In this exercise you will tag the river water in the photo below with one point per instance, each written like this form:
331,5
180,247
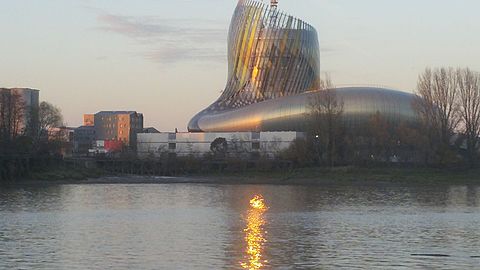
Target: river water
189,226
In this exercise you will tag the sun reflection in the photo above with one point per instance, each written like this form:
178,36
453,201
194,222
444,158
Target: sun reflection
255,234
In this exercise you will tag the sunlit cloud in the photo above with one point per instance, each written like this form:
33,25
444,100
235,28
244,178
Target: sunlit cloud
176,54
134,27
170,41
173,40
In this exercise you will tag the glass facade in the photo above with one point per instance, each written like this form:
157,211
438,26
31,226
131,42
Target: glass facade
273,72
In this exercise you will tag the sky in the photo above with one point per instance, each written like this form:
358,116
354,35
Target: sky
167,58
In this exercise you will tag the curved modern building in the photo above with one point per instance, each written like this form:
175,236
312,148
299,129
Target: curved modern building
274,73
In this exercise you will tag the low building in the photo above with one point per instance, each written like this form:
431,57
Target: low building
64,139
236,144
83,139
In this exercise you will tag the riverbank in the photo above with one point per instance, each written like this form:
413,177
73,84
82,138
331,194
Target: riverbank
63,175
305,176
354,175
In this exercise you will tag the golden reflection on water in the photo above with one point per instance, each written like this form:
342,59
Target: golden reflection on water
255,234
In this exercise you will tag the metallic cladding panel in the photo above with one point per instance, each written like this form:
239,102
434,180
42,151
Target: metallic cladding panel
270,55
289,113
273,71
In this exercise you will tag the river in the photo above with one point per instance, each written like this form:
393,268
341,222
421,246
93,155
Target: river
210,226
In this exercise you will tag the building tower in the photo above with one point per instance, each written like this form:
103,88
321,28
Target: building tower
270,54
274,74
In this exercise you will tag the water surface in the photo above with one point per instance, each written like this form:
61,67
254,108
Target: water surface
188,226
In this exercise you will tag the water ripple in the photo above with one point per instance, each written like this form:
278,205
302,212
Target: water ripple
203,227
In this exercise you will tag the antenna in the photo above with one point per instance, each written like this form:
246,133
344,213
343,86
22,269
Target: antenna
273,9
273,4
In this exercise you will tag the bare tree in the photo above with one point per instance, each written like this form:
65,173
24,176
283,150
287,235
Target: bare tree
411,142
437,108
469,103
12,111
325,111
50,116
381,139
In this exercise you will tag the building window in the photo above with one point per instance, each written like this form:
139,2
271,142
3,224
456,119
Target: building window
172,136
172,146
255,145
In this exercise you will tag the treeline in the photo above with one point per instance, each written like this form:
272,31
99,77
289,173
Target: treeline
446,131
17,124
24,129
24,132
449,110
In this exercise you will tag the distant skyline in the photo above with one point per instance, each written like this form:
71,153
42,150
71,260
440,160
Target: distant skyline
167,59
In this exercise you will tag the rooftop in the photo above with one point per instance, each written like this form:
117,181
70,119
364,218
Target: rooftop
117,112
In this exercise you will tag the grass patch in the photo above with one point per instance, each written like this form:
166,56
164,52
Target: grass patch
386,174
352,175
66,174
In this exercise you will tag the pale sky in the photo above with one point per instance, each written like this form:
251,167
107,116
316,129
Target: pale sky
167,59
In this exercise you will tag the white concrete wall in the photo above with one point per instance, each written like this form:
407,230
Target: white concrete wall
151,144
273,142
198,144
